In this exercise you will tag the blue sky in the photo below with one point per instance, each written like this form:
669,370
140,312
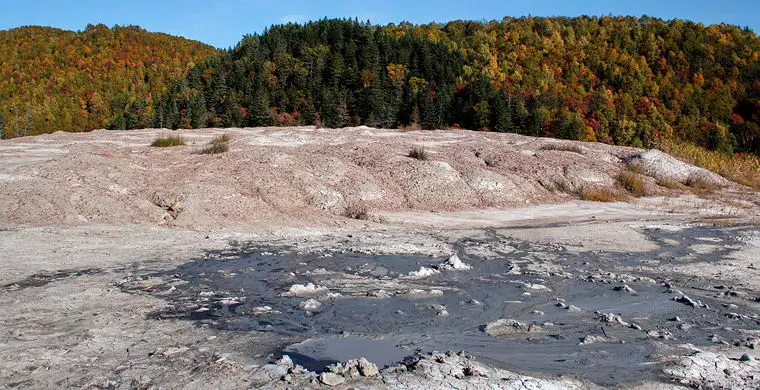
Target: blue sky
223,22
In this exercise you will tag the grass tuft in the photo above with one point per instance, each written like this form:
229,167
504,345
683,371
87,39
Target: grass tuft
700,186
601,195
166,142
419,153
632,182
563,147
669,184
219,144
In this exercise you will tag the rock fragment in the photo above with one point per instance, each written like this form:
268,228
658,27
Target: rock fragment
454,263
507,327
310,305
331,379
301,290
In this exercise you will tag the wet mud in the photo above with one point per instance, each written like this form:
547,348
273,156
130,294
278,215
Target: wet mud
563,312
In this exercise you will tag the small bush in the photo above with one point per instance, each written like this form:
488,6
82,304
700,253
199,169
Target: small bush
219,144
165,142
633,183
418,153
600,195
356,210
563,147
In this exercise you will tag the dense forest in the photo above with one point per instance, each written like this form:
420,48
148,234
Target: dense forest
53,79
624,80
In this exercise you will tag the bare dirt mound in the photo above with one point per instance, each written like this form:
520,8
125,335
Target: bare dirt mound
296,174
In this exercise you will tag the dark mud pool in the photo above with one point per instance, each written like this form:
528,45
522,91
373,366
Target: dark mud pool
363,305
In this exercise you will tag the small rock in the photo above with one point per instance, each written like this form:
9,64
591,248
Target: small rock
747,358
574,309
423,272
300,290
367,368
688,301
454,263
285,361
505,327
378,294
262,310
625,288
612,319
310,305
331,379
598,339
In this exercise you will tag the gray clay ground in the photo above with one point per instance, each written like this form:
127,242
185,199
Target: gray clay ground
258,281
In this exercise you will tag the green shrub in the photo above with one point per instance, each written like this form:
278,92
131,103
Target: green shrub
166,142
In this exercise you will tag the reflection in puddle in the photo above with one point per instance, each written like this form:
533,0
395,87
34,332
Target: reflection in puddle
315,355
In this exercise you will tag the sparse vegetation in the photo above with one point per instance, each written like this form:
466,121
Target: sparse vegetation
563,147
741,168
166,142
600,195
419,153
669,184
701,186
356,210
633,182
219,144
636,168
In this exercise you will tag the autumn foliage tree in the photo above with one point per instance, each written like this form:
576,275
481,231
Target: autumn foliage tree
53,79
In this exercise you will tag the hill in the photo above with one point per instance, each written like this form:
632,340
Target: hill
623,80
52,79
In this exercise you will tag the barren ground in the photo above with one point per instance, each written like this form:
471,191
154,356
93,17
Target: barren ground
91,223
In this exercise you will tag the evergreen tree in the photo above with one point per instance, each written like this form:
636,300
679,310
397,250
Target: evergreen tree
3,133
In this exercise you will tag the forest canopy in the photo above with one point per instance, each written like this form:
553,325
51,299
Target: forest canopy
53,79
623,80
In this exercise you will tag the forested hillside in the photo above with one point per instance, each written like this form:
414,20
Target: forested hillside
619,80
624,80
53,79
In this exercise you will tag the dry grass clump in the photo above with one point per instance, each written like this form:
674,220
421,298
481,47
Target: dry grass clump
356,210
633,182
741,168
636,168
669,184
166,142
700,186
563,147
219,144
600,195
419,153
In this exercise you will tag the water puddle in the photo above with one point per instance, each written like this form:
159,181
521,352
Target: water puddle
315,355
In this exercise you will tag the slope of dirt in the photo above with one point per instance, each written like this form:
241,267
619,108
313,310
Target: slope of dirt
276,176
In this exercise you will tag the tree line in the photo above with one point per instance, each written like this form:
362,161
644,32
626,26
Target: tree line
622,80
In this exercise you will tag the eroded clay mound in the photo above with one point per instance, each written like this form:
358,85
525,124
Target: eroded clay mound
290,174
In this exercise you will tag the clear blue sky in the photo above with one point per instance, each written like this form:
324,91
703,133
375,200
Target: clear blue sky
223,22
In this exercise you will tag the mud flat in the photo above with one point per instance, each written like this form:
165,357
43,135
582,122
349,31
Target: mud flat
253,285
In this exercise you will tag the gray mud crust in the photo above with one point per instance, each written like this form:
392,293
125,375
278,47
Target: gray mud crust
572,318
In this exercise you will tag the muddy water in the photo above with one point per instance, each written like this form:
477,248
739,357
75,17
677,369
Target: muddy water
222,290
